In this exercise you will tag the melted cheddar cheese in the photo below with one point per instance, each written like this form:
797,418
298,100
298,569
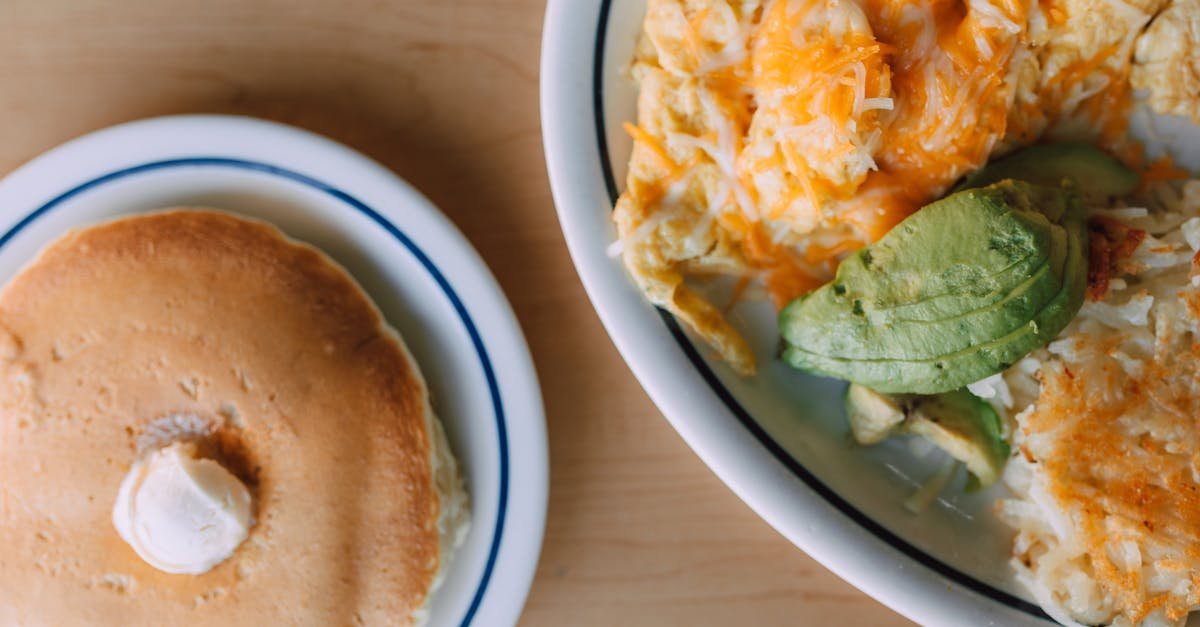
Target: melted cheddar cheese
774,137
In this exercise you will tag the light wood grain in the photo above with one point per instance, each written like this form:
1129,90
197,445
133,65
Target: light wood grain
445,93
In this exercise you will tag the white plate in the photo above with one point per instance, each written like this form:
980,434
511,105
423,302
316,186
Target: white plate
426,278
779,440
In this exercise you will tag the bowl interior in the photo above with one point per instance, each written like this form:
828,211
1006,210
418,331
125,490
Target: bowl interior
803,415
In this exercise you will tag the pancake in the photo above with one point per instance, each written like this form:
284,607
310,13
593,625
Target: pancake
119,337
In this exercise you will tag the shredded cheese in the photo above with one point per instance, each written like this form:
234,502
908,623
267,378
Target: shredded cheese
820,124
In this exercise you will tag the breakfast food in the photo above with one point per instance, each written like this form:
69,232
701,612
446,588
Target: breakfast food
1103,418
203,422
1105,482
773,137
1166,63
956,293
1030,311
180,512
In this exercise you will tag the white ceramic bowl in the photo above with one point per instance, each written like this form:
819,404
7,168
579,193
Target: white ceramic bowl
779,440
425,277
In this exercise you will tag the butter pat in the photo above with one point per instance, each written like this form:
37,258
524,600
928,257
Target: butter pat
181,513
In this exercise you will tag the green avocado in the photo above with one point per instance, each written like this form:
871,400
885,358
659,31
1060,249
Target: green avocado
955,293
1098,175
1003,264
957,422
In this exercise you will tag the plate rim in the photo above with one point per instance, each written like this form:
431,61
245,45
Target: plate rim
521,389
919,593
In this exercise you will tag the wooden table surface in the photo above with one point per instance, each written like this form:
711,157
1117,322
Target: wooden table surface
446,94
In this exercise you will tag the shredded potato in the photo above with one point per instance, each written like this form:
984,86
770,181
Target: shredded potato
1106,485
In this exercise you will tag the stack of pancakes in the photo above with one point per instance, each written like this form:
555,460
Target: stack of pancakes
300,388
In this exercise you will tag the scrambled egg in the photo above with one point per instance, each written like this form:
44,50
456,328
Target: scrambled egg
776,136
1084,50
810,142
663,216
1167,60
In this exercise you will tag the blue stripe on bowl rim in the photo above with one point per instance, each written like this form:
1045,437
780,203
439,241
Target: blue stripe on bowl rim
391,229
746,419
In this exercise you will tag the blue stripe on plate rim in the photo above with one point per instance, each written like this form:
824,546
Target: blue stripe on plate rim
391,229
747,420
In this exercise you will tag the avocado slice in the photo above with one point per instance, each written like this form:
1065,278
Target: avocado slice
849,329
958,422
873,416
1004,262
1098,175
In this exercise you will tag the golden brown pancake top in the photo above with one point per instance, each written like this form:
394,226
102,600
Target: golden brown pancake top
323,415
